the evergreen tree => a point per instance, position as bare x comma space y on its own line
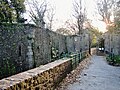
5, 11
19, 8
11, 10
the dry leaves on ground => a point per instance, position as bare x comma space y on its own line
72, 77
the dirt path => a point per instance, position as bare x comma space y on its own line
98, 76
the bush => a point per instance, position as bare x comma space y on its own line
113, 60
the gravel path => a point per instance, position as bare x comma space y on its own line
98, 76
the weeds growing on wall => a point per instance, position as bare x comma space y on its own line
64, 54
54, 54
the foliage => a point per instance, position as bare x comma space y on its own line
111, 28
95, 31
64, 54
94, 41
95, 34
19, 8
54, 54
7, 70
113, 59
101, 43
64, 31
11, 10
5, 11
117, 25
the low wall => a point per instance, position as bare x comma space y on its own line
45, 77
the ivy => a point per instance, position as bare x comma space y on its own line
8, 69
54, 53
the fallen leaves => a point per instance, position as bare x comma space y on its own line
74, 75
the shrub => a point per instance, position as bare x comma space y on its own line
113, 59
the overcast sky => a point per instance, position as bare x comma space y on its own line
64, 12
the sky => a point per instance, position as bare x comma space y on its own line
64, 12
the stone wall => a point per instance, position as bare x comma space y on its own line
57, 42
14, 44
23, 47
42, 47
45, 77
112, 42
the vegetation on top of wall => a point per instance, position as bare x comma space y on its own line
19, 24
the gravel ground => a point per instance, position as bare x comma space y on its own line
96, 76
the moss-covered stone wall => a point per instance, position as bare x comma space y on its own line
14, 43
24, 46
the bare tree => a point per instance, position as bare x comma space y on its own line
105, 10
37, 12
117, 15
71, 26
50, 16
79, 14
64, 31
